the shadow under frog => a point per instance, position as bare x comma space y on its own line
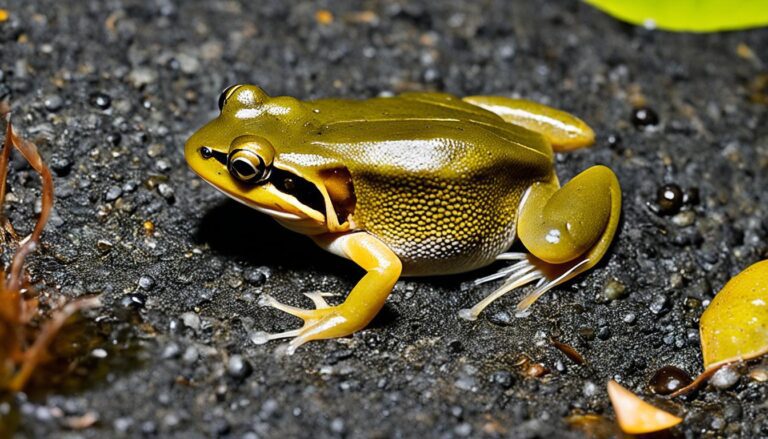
230, 229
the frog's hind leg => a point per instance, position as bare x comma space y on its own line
563, 130
567, 230
361, 306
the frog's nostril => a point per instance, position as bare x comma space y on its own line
206, 152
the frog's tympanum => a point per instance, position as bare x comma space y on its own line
418, 184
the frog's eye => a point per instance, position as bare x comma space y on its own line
225, 94
247, 166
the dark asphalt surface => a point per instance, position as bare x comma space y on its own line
110, 90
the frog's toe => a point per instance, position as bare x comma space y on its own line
321, 323
318, 299
528, 269
269, 301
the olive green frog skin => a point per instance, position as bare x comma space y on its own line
413, 185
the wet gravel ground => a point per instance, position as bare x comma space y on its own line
110, 90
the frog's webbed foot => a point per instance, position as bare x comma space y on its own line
361, 306
529, 269
315, 321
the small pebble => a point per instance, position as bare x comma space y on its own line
589, 389
135, 300
191, 354
238, 367
166, 191
643, 117
130, 186
99, 353
121, 425
146, 283
658, 304
114, 138
463, 429
725, 377
465, 382
614, 140
759, 374
100, 100
502, 378
113, 193
255, 276
669, 199
684, 219
155, 149
53, 103
613, 289
61, 165
337, 426
163, 165
191, 320
103, 246
171, 350
668, 379
149, 427
141, 76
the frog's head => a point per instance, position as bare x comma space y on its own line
234, 153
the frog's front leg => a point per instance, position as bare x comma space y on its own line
567, 230
363, 303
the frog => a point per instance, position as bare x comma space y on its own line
413, 184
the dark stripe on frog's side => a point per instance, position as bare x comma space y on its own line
221, 157
338, 184
304, 191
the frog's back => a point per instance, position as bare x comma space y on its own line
436, 179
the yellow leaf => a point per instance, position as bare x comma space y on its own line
735, 325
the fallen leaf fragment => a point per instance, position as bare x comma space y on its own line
636, 416
735, 325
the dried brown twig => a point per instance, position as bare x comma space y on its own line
24, 344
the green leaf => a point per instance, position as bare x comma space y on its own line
688, 15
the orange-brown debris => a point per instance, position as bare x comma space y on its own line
24, 332
636, 416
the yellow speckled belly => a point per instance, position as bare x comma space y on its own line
441, 226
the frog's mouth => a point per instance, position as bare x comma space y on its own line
293, 201
306, 200
282, 195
